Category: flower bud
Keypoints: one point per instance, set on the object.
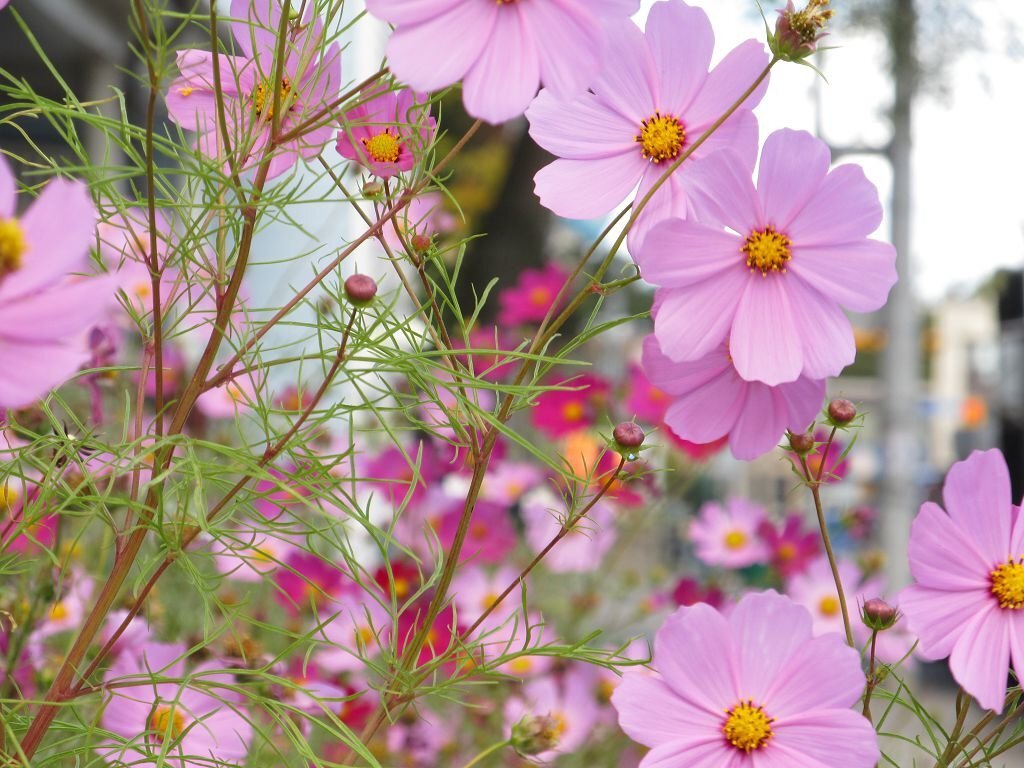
(841, 411)
(535, 734)
(628, 434)
(373, 189)
(878, 615)
(801, 444)
(360, 289)
(421, 243)
(797, 32)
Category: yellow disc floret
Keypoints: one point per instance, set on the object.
(747, 727)
(735, 539)
(166, 722)
(12, 246)
(661, 138)
(828, 606)
(384, 147)
(263, 97)
(1008, 584)
(767, 250)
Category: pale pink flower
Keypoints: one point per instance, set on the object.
(310, 80)
(355, 633)
(968, 568)
(476, 589)
(775, 284)
(816, 591)
(727, 535)
(226, 401)
(583, 547)
(754, 689)
(502, 51)
(709, 401)
(387, 131)
(44, 313)
(652, 101)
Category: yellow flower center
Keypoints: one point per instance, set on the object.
(384, 147)
(767, 250)
(12, 246)
(786, 552)
(59, 612)
(747, 727)
(263, 97)
(167, 722)
(1008, 584)
(9, 497)
(735, 539)
(540, 297)
(661, 138)
(572, 411)
(811, 20)
(828, 606)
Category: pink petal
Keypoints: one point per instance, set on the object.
(254, 25)
(586, 189)
(670, 201)
(739, 135)
(693, 321)
(760, 423)
(59, 313)
(856, 275)
(815, 739)
(503, 81)
(845, 208)
(722, 188)
(710, 752)
(59, 228)
(728, 81)
(628, 86)
(682, 42)
(977, 498)
(681, 378)
(939, 617)
(8, 190)
(793, 166)
(825, 332)
(440, 50)
(767, 630)
(980, 660)
(570, 44)
(651, 713)
(694, 653)
(942, 557)
(409, 11)
(765, 341)
(704, 415)
(677, 254)
(822, 673)
(803, 399)
(31, 369)
(582, 129)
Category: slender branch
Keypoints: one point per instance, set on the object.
(872, 678)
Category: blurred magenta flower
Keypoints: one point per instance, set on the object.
(652, 101)
(710, 401)
(753, 688)
(533, 296)
(387, 131)
(968, 594)
(562, 411)
(791, 548)
(775, 286)
(307, 84)
(727, 535)
(502, 51)
(45, 312)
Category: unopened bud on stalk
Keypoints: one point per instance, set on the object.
(421, 243)
(841, 411)
(535, 734)
(373, 189)
(360, 289)
(629, 434)
(878, 615)
(801, 444)
(797, 32)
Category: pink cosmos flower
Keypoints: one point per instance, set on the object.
(689, 591)
(654, 99)
(727, 535)
(502, 51)
(835, 464)
(192, 727)
(228, 400)
(310, 79)
(475, 590)
(570, 706)
(424, 216)
(562, 411)
(354, 634)
(968, 569)
(506, 481)
(754, 689)
(711, 401)
(44, 315)
(645, 401)
(583, 547)
(491, 535)
(387, 131)
(532, 297)
(791, 549)
(774, 286)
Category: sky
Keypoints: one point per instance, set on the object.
(968, 154)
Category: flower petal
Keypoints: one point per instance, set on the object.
(736, 72)
(506, 76)
(581, 129)
(822, 673)
(793, 166)
(695, 655)
(845, 208)
(651, 713)
(677, 254)
(938, 617)
(692, 322)
(586, 189)
(409, 11)
(814, 739)
(977, 497)
(826, 335)
(980, 660)
(856, 275)
(629, 85)
(8, 190)
(681, 41)
(570, 44)
(765, 341)
(942, 556)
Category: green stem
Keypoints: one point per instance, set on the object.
(489, 751)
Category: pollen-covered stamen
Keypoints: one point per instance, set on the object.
(735, 539)
(263, 97)
(809, 22)
(166, 722)
(12, 246)
(661, 138)
(747, 727)
(767, 250)
(384, 147)
(1008, 584)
